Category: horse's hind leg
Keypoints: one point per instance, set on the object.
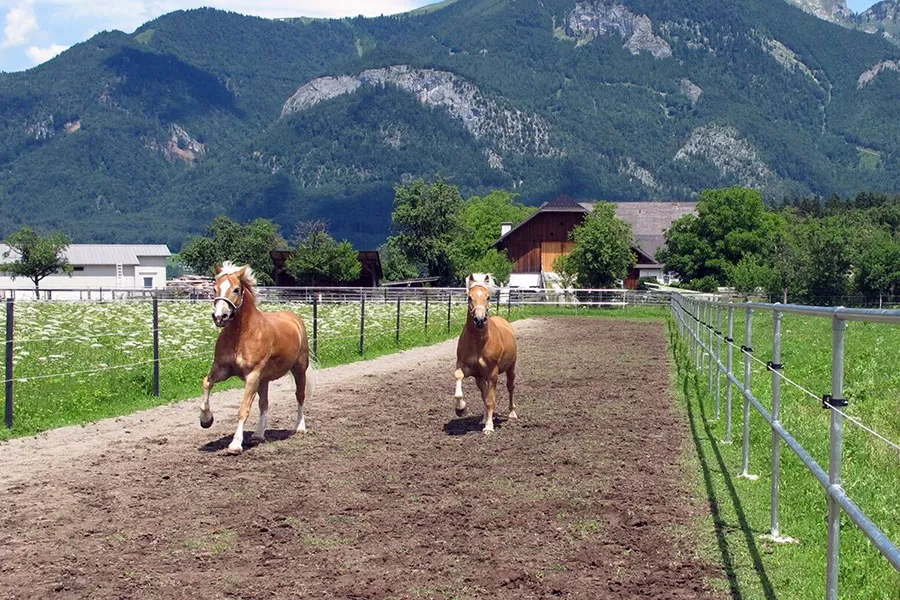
(260, 434)
(300, 380)
(510, 387)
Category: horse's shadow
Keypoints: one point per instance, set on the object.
(272, 435)
(470, 424)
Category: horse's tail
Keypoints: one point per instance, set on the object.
(311, 375)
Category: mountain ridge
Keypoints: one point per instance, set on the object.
(147, 136)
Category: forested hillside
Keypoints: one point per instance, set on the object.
(145, 137)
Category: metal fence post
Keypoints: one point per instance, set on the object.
(696, 336)
(426, 313)
(316, 326)
(709, 345)
(747, 349)
(397, 329)
(10, 312)
(362, 324)
(729, 367)
(156, 346)
(508, 301)
(718, 333)
(775, 366)
(449, 304)
(836, 439)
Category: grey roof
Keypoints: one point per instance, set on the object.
(107, 254)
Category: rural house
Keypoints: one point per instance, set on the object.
(537, 241)
(98, 267)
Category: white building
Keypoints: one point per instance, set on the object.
(106, 267)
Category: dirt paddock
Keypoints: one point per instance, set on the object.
(387, 496)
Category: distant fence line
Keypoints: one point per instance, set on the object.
(434, 309)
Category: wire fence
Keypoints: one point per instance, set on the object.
(708, 326)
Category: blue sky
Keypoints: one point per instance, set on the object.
(34, 31)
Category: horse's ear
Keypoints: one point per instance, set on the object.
(218, 269)
(241, 272)
(469, 281)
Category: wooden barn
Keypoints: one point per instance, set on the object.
(536, 243)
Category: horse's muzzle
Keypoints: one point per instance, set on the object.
(480, 322)
(222, 320)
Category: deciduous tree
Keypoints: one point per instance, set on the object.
(602, 252)
(36, 256)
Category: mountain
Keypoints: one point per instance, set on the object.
(882, 19)
(145, 137)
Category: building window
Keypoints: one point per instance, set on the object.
(78, 268)
(148, 282)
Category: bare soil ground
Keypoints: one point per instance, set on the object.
(387, 496)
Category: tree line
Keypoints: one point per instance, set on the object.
(804, 250)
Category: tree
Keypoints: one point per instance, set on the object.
(602, 252)
(225, 239)
(394, 263)
(318, 258)
(38, 256)
(878, 271)
(750, 274)
(426, 226)
(480, 219)
(786, 264)
(730, 224)
(826, 258)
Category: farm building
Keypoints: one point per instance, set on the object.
(97, 267)
(537, 241)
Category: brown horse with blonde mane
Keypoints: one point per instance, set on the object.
(486, 349)
(256, 346)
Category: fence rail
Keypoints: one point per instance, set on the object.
(701, 321)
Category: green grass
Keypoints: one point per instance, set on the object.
(869, 160)
(758, 568)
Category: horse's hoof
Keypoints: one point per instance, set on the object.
(487, 431)
(512, 415)
(259, 439)
(460, 412)
(234, 451)
(206, 424)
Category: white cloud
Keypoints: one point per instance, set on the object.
(40, 55)
(21, 23)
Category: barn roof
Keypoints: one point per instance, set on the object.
(106, 254)
(649, 220)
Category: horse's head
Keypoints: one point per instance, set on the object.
(480, 287)
(232, 286)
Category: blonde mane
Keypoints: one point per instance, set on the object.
(482, 279)
(248, 278)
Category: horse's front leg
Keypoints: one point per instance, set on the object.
(260, 434)
(460, 403)
(250, 388)
(216, 374)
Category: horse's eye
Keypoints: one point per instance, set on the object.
(237, 290)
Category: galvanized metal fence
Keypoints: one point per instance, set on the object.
(700, 320)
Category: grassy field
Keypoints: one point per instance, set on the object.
(759, 568)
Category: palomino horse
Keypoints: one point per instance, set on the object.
(486, 348)
(256, 346)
